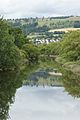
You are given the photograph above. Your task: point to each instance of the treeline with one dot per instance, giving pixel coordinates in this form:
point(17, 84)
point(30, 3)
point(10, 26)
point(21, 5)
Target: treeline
point(29, 27)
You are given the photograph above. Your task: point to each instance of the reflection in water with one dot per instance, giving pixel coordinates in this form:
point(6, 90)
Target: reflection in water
point(8, 86)
point(71, 82)
point(36, 75)
point(43, 77)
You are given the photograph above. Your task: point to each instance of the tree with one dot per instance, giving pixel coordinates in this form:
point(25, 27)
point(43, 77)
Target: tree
point(70, 46)
point(77, 24)
point(50, 49)
point(9, 52)
point(32, 52)
point(20, 39)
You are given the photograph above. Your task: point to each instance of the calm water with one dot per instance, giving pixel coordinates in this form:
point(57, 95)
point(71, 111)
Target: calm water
point(34, 94)
point(49, 103)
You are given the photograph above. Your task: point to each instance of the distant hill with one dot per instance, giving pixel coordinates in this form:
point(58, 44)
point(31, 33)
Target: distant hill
point(40, 25)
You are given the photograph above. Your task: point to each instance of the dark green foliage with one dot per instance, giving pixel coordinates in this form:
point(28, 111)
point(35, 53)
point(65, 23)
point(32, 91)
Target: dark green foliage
point(60, 17)
point(9, 82)
point(19, 38)
point(29, 28)
point(59, 32)
point(77, 24)
point(32, 53)
point(9, 53)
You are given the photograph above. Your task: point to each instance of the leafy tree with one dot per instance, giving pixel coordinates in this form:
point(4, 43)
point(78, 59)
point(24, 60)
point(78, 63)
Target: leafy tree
point(70, 46)
point(9, 53)
point(20, 39)
point(32, 52)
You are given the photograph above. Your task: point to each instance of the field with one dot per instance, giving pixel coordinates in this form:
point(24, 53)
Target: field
point(64, 29)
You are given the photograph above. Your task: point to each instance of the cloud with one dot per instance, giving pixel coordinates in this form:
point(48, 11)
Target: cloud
point(33, 8)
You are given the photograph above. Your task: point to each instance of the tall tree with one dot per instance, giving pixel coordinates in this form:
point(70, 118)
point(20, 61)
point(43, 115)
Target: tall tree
point(9, 52)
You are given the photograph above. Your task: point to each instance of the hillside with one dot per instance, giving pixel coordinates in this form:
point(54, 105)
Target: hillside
point(40, 30)
point(39, 25)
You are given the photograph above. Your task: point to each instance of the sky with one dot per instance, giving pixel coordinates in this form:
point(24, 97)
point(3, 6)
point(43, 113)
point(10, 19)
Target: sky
point(38, 8)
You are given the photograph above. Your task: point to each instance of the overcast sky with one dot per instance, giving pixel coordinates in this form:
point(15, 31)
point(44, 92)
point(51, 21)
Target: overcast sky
point(38, 8)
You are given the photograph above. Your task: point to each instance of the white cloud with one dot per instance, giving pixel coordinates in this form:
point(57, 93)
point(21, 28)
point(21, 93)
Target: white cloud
point(28, 8)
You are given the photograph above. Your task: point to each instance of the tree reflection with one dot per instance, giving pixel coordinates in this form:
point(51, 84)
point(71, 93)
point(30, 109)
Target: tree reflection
point(71, 83)
point(41, 77)
point(9, 82)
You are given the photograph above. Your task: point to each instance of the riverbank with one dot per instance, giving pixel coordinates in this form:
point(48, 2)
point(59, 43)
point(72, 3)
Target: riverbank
point(72, 66)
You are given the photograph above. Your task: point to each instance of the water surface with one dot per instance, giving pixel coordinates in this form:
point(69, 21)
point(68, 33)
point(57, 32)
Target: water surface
point(49, 103)
point(34, 94)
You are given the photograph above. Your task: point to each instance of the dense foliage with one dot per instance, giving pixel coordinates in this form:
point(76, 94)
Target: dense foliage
point(70, 46)
point(19, 38)
point(32, 53)
point(50, 49)
point(68, 49)
point(71, 83)
point(14, 47)
point(9, 52)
